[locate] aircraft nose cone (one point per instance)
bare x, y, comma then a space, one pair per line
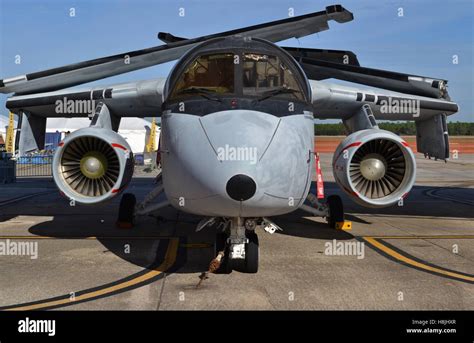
241, 187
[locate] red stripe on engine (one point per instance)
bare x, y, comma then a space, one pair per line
347, 147
116, 145
350, 192
61, 144
352, 145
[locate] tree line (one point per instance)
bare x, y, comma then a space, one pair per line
402, 128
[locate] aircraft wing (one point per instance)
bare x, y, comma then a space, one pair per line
82, 72
132, 99
358, 107
321, 64
335, 101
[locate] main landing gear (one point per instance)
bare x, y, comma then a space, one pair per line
129, 209
336, 210
332, 210
126, 214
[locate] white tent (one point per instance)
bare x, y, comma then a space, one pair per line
134, 130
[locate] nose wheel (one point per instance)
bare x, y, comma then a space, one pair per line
250, 263
252, 253
240, 248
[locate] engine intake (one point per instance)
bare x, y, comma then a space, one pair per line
375, 167
93, 165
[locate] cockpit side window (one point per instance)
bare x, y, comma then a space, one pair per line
207, 73
265, 73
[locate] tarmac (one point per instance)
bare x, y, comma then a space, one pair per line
417, 256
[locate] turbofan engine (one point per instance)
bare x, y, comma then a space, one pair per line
92, 165
375, 167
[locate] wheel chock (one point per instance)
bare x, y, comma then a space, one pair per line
345, 225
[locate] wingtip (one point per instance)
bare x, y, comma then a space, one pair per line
168, 38
337, 10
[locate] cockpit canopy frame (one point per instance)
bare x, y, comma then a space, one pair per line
239, 68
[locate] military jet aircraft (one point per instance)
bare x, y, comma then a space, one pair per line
237, 136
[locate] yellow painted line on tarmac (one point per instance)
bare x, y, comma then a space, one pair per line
426, 237
394, 254
170, 258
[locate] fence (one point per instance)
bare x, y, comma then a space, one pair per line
41, 165
37, 165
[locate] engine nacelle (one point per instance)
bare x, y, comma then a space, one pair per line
375, 167
92, 165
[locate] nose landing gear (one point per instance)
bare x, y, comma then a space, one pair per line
250, 263
240, 247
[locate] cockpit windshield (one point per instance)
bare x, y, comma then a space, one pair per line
266, 74
248, 74
208, 73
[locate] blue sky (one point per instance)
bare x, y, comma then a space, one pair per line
422, 42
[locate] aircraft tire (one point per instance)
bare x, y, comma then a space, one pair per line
336, 210
250, 263
251, 253
126, 211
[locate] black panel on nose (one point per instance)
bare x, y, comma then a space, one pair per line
241, 187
